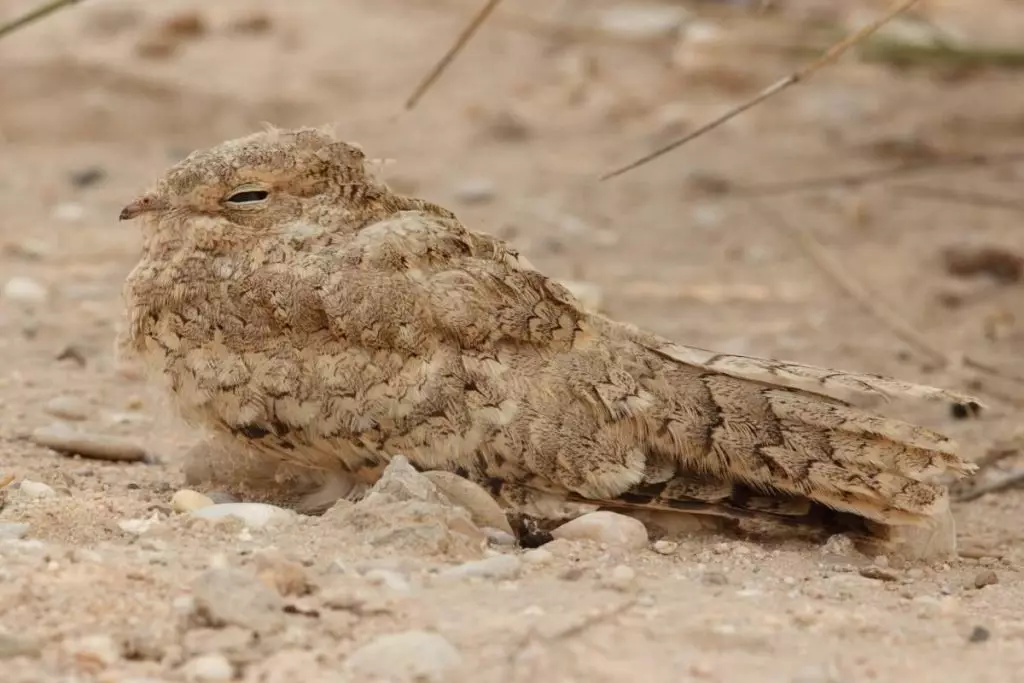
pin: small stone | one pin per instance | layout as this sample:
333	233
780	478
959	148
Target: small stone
985	577
252	515
282	574
408	656
621	577
715	579
86	177
140	527
643	22
93	652
879	573
13	530
36	489
69	212
498	537
665	547
538	556
497	567
481	506
230	597
24	289
67	408
187	500
209	667
98	446
605	527
475	191
979	634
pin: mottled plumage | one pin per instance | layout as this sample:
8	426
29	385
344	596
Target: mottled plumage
316	323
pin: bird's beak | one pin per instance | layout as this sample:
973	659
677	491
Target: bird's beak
145	203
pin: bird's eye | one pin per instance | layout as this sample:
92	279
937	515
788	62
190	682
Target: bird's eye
247	196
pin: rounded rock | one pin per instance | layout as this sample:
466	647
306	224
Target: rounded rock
187	500
208	668
408	656
36	489
605	527
253	515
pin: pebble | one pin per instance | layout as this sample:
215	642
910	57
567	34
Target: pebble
621	577
605	527
12	646
253	515
475	191
13	530
985	577
24	289
231	597
878	573
538	556
209	667
67	408
643	22
93	652
139	527
408	656
497	567
187	500
36	489
285	576
98	446
666	547
481	506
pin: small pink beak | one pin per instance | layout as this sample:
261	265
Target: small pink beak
143	204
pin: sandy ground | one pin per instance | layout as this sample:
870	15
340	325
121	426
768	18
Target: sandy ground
96	102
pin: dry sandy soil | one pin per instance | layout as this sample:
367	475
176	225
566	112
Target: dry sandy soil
98	100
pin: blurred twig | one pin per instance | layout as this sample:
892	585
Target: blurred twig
452	52
876	307
830	56
873	176
34	15
952	196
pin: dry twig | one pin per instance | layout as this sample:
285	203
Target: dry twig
952	196
452	52
832	54
33	15
874	306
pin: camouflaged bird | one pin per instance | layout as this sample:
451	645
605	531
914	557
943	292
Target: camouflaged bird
315	323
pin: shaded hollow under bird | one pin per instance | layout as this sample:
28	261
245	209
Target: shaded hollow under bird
315	324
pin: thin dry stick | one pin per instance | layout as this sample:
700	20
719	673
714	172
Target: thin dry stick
951	196
454	50
34	15
874	306
861	178
830	56
1013	480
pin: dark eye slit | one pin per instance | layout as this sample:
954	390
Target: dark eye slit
248	196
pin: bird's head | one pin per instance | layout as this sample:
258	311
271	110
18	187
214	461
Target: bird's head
254	183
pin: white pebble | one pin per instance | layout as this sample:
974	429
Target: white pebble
139	527
665	547
67	408
497	567
537	556
36	489
13	530
253	515
605	527
475	191
187	500
210	667
643	22
24	289
621	577
407	656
